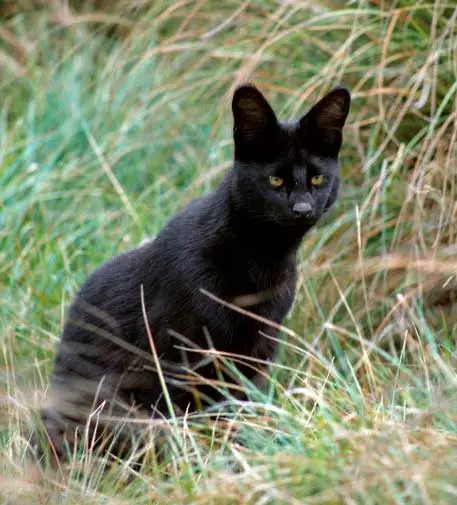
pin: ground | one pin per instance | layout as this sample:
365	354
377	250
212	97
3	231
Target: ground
113	115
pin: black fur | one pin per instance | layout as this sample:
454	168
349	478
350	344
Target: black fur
237	241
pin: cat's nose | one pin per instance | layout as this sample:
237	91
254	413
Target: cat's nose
303	208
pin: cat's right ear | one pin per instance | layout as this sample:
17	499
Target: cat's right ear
255	124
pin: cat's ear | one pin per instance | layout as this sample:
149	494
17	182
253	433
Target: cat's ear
322	125
255	123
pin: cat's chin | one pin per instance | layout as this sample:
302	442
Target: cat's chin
309	222
302	222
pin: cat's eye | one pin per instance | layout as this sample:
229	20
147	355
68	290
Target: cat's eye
318	180
276	182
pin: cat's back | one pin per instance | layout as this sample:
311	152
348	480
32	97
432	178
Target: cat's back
115	285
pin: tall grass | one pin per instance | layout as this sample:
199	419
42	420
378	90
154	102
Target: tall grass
112	117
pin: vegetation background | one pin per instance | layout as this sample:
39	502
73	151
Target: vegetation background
115	113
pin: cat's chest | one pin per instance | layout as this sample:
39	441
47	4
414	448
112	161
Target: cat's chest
253	283
257	287
239	326
238	273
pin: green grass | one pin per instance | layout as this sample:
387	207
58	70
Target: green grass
112	119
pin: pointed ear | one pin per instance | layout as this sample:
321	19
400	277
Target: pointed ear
255	123
322	125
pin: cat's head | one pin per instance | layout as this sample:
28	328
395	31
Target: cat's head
287	172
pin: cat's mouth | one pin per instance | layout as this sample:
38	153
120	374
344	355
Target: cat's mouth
305	219
310	218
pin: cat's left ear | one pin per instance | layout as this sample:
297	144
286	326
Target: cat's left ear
322	126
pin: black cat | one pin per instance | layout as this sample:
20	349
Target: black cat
238	243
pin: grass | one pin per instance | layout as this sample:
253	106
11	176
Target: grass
112	117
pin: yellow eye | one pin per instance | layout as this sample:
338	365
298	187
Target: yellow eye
276	182
318	180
